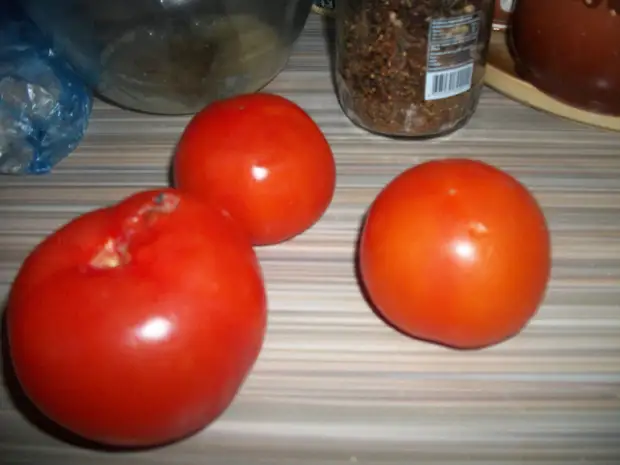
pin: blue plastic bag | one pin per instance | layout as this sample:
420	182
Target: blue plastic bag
44	105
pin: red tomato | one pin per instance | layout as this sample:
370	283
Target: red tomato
456	252
263	159
135	325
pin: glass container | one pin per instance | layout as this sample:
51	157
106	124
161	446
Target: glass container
173	56
502	14
411	68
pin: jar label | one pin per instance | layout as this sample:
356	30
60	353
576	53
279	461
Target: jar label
452	44
507	5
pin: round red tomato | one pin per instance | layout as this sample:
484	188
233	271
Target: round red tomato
456	252
135	325
263	159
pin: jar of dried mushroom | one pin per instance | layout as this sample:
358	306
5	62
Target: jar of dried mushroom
411	68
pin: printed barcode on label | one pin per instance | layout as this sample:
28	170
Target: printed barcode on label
443	84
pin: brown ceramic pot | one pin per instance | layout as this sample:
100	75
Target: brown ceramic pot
570	49
503	12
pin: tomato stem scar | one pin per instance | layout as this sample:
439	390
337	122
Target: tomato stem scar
164	202
112	255
477	229
114	252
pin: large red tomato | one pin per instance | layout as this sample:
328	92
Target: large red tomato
135	325
263	159
456	252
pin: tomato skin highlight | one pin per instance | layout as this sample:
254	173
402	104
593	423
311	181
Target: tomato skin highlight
136	324
455	252
262	158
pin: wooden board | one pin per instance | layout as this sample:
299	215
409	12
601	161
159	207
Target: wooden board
334	385
501	76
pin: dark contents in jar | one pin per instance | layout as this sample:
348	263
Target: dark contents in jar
383	57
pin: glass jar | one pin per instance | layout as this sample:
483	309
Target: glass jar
503	12
411	68
570	50
173	56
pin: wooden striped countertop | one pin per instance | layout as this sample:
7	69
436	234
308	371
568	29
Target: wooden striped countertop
334	385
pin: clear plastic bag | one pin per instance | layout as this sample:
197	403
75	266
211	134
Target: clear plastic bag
44	105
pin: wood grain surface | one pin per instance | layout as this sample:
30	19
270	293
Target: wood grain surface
501	75
334	385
